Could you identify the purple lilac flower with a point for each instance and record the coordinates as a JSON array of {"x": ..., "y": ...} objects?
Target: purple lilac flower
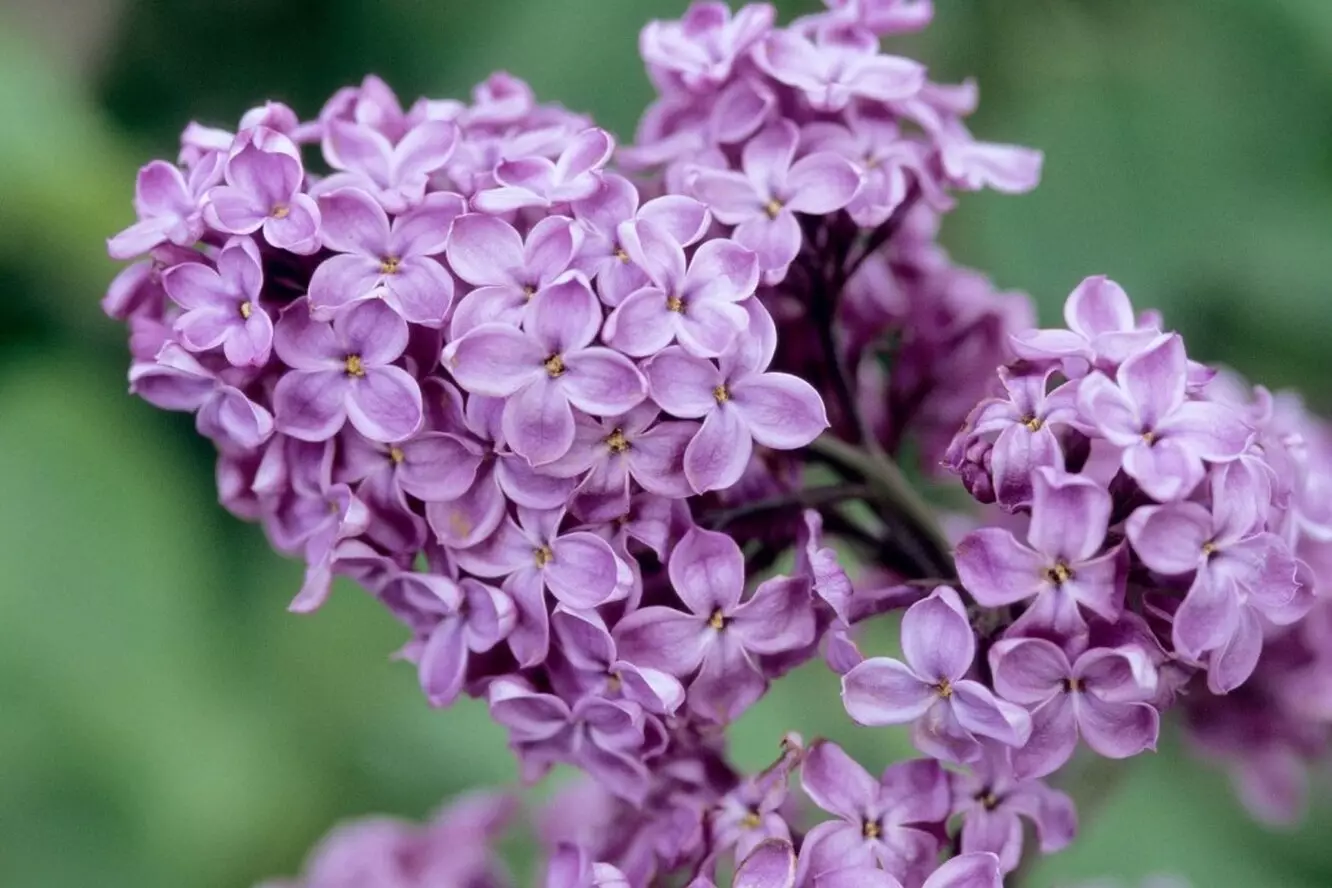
[
  {"x": 176, "y": 380},
  {"x": 344, "y": 371},
  {"x": 694, "y": 305},
  {"x": 993, "y": 803},
  {"x": 382, "y": 259},
  {"x": 946, "y": 710},
  {"x": 546, "y": 370},
  {"x": 170, "y": 207},
  {"x": 1165, "y": 437},
  {"x": 222, "y": 307},
  {"x": 586, "y": 646},
  {"x": 977, "y": 870},
  {"x": 264, "y": 177},
  {"x": 603, "y": 737},
  {"x": 1060, "y": 566},
  {"x": 839, "y": 65},
  {"x": 507, "y": 272},
  {"x": 890, "y": 822},
  {"x": 393, "y": 172},
  {"x": 1245, "y": 578},
  {"x": 1100, "y": 695},
  {"x": 762, "y": 200},
  {"x": 1102, "y": 330},
  {"x": 751, "y": 814},
  {"x": 702, "y": 49},
  {"x": 539, "y": 182},
  {"x": 740, "y": 402},
  {"x": 719, "y": 637}
]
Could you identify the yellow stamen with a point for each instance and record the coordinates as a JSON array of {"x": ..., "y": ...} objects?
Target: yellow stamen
[
  {"x": 617, "y": 442},
  {"x": 773, "y": 208},
  {"x": 528, "y": 292},
  {"x": 396, "y": 454},
  {"x": 944, "y": 688},
  {"x": 1033, "y": 423},
  {"x": 752, "y": 820},
  {"x": 1209, "y": 548},
  {"x": 280, "y": 211},
  {"x": 722, "y": 394},
  {"x": 1073, "y": 685},
  {"x": 1149, "y": 437},
  {"x": 543, "y": 556},
  {"x": 675, "y": 304},
  {"x": 870, "y": 829},
  {"x": 354, "y": 366},
  {"x": 621, "y": 254},
  {"x": 1060, "y": 574},
  {"x": 613, "y": 682},
  {"x": 555, "y": 365},
  {"x": 390, "y": 265},
  {"x": 717, "y": 620},
  {"x": 246, "y": 309},
  {"x": 989, "y": 801}
]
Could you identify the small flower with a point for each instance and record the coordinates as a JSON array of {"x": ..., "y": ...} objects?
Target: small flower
[
  {"x": 1101, "y": 696},
  {"x": 762, "y": 200},
  {"x": 507, "y": 272},
  {"x": 739, "y": 404},
  {"x": 1243, "y": 576},
  {"x": 750, "y": 814},
  {"x": 1102, "y": 330},
  {"x": 343, "y": 371},
  {"x": 586, "y": 646},
  {"x": 222, "y": 307},
  {"x": 394, "y": 175},
  {"x": 702, "y": 49},
  {"x": 264, "y": 178},
  {"x": 170, "y": 208},
  {"x": 993, "y": 803},
  {"x": 175, "y": 380},
  {"x": 838, "y": 66},
  {"x": 538, "y": 182},
  {"x": 719, "y": 637},
  {"x": 890, "y": 822},
  {"x": 929, "y": 691},
  {"x": 1164, "y": 437},
  {"x": 1060, "y": 566},
  {"x": 382, "y": 260},
  {"x": 546, "y": 370},
  {"x": 695, "y": 306}
]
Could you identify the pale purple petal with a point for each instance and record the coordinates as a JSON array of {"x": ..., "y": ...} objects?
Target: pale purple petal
[
  {"x": 437, "y": 466},
  {"x": 1166, "y": 469},
  {"x": 1054, "y": 736},
  {"x": 602, "y": 382},
  {"x": 937, "y": 641},
  {"x": 1208, "y": 617},
  {"x": 1069, "y": 516},
  {"x": 781, "y": 411},
  {"x": 1154, "y": 379},
  {"x": 728, "y": 682},
  {"x": 774, "y": 239},
  {"x": 641, "y": 325},
  {"x": 1213, "y": 431},
  {"x": 582, "y": 571},
  {"x": 996, "y": 569},
  {"x": 707, "y": 571},
  {"x": 1098, "y": 305},
  {"x": 663, "y": 638},
  {"x": 385, "y": 404},
  {"x": 979, "y": 870},
  {"x": 1231, "y": 664},
  {"x": 372, "y": 331},
  {"x": 1116, "y": 730},
  {"x": 778, "y": 617},
  {"x": 496, "y": 360},
  {"x": 1028, "y": 670},
  {"x": 443, "y": 663},
  {"x": 483, "y": 250},
  {"x": 343, "y": 279},
  {"x": 730, "y": 196},
  {"x": 1169, "y": 539},
  {"x": 682, "y": 384},
  {"x": 311, "y": 405},
  {"x": 353, "y": 222},
  {"x": 772, "y": 864},
  {"x": 538, "y": 422},
  {"x": 422, "y": 291},
  {"x": 565, "y": 316},
  {"x": 980, "y": 712},
  {"x": 716, "y": 457},
  {"x": 821, "y": 183},
  {"x": 883, "y": 691}
]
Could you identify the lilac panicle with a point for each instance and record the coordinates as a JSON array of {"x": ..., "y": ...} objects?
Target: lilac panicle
[{"x": 561, "y": 403}]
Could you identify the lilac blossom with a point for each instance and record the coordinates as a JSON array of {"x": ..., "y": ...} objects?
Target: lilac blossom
[
  {"x": 840, "y": 64},
  {"x": 1100, "y": 696},
  {"x": 539, "y": 182},
  {"x": 264, "y": 178},
  {"x": 394, "y": 173},
  {"x": 579, "y": 568},
  {"x": 607, "y": 219},
  {"x": 694, "y": 305},
  {"x": 890, "y": 822},
  {"x": 1059, "y": 566},
  {"x": 1244, "y": 577},
  {"x": 589, "y": 650},
  {"x": 378, "y": 259},
  {"x": 222, "y": 306},
  {"x": 507, "y": 271},
  {"x": 740, "y": 402},
  {"x": 344, "y": 371},
  {"x": 751, "y": 814},
  {"x": 603, "y": 737},
  {"x": 455, "y": 619},
  {"x": 170, "y": 208},
  {"x": 702, "y": 48},
  {"x": 1102, "y": 330},
  {"x": 611, "y": 455},
  {"x": 547, "y": 370},
  {"x": 175, "y": 380},
  {"x": 946, "y": 710},
  {"x": 719, "y": 637},
  {"x": 762, "y": 200},
  {"x": 1165, "y": 437},
  {"x": 993, "y": 802}
]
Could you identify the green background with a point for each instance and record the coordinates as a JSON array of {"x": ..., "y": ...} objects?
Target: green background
[{"x": 164, "y": 722}]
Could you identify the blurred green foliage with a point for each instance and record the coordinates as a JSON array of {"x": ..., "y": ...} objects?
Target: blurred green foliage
[{"x": 165, "y": 723}]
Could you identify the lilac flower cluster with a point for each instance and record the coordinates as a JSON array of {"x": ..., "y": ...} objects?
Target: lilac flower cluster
[{"x": 562, "y": 417}]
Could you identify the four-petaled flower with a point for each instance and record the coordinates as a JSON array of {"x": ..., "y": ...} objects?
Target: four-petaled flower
[
  {"x": 719, "y": 636},
  {"x": 946, "y": 710},
  {"x": 222, "y": 307},
  {"x": 839, "y": 65},
  {"x": 264, "y": 178}
]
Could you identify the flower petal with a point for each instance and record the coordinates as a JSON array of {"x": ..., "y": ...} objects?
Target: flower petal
[
  {"x": 602, "y": 382},
  {"x": 538, "y": 423},
  {"x": 996, "y": 569},
  {"x": 311, "y": 405},
  {"x": 1169, "y": 539},
  {"x": 781, "y": 411},
  {"x": 495, "y": 360},
  {"x": 883, "y": 691},
  {"x": 937, "y": 641},
  {"x": 682, "y": 384},
  {"x": 483, "y": 250},
  {"x": 1117, "y": 730},
  {"x": 582, "y": 573},
  {"x": 836, "y": 782},
  {"x": 663, "y": 638},
  {"x": 385, "y": 404},
  {"x": 707, "y": 571},
  {"x": 717, "y": 456}
]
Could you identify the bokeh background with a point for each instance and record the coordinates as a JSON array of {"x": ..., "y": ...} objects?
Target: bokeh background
[{"x": 164, "y": 722}]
